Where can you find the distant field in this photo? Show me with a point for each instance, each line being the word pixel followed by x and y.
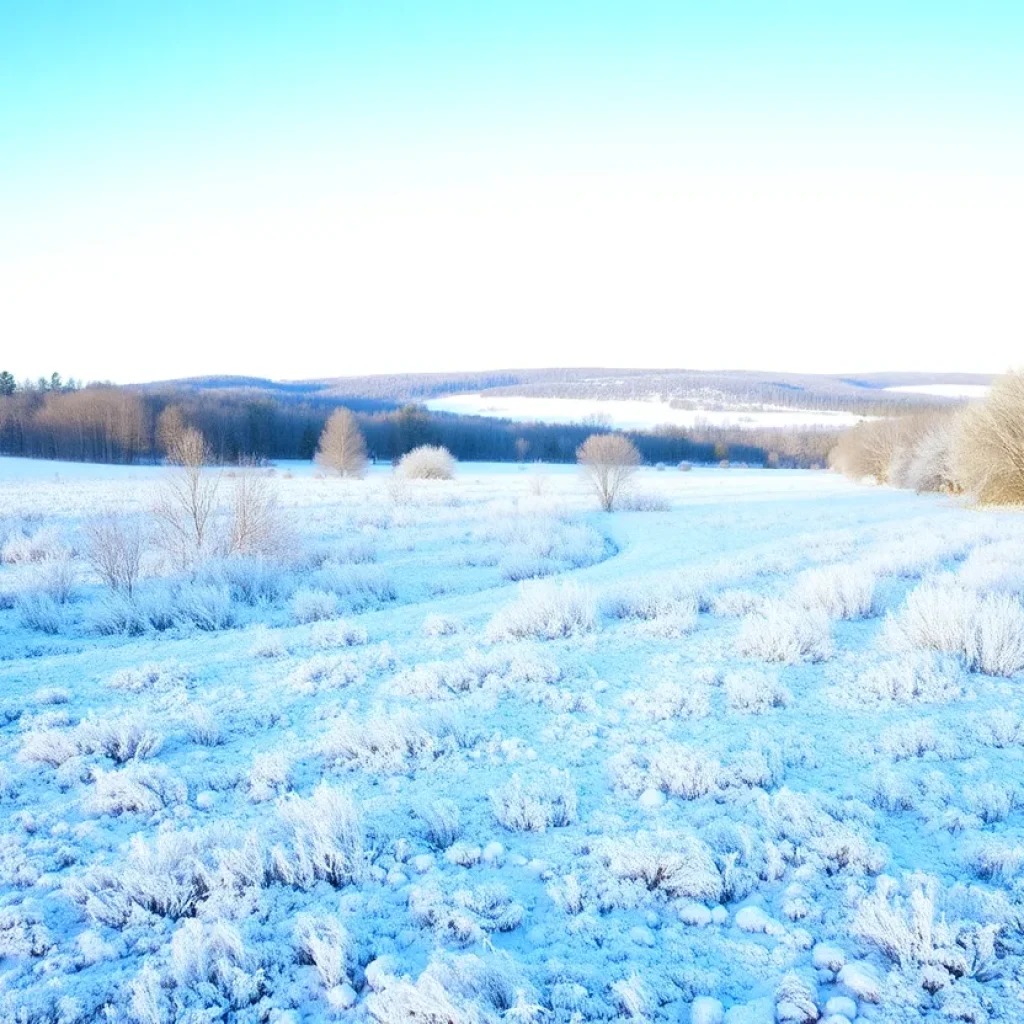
pixel 630 414
pixel 944 390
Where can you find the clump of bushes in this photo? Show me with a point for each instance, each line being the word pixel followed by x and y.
pixel 976 450
pixel 427 462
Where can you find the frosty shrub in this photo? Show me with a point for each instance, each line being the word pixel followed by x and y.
pixel 608 462
pixel 682 771
pixel 988 451
pixel 914 677
pixel 309 605
pixel 633 501
pixel 323 839
pixel 324 943
pixel 545 611
pixel 783 631
pixel 682 866
pixel 168 876
pixel 986 630
pixel 131 791
pixel 269 776
pixel 428 462
pixel 51 747
pixel 38 611
pixel 114 544
pixel 267 643
pixel 115 615
pixel 342 448
pixel 201 727
pixel 442 822
pixel 927 465
pixel 911 931
pixel 840 591
pixel 383 743
pixel 207 606
pixel 42 545
pixel 57 577
pixel 753 692
pixel 534 806
pixel 339 633
pixel 122 739
pixel 440 625
pixel 670 604
pixel 207 954
pixel 427 1001
pixel 323 672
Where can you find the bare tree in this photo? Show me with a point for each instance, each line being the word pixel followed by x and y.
pixel 186 507
pixel 609 460
pixel 256 526
pixel 522 449
pixel 114 545
pixel 342 446
pixel 988 452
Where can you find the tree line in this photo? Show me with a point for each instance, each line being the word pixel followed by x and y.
pixel 106 423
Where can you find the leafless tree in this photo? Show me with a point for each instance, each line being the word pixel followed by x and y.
pixel 342 446
pixel 988 452
pixel 187 505
pixel 609 461
pixel 114 544
pixel 256 525
pixel 522 449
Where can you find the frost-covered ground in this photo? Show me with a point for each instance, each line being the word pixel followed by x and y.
pixel 475 752
pixel 633 414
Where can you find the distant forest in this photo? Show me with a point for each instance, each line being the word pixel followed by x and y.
pixel 105 423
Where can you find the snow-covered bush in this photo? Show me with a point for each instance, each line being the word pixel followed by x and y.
pixel 323 672
pixel 269 776
pixel 840 591
pixel 39 611
pixel 122 739
pixel 533 806
pixel 680 866
pixel 337 633
pixel 442 822
pixel 40 546
pixel 754 692
pixel 428 462
pixel 311 605
pixel 440 625
pixel 986 630
pixel 323 839
pixel 324 943
pixel 913 678
pixel 783 631
pixel 911 931
pixel 205 606
pixel 385 742
pixel 201 726
pixel 212 953
pixel 545 612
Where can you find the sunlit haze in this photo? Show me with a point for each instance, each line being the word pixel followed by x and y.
pixel 299 190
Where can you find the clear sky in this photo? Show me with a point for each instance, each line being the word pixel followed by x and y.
pixel 301 189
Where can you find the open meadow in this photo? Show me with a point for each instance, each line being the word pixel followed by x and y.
pixel 749 749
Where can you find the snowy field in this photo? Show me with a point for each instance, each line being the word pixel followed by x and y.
pixel 472 751
pixel 944 390
pixel 637 414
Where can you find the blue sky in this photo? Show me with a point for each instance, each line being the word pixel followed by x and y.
pixel 303 189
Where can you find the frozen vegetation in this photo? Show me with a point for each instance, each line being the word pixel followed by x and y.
pixel 750 750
